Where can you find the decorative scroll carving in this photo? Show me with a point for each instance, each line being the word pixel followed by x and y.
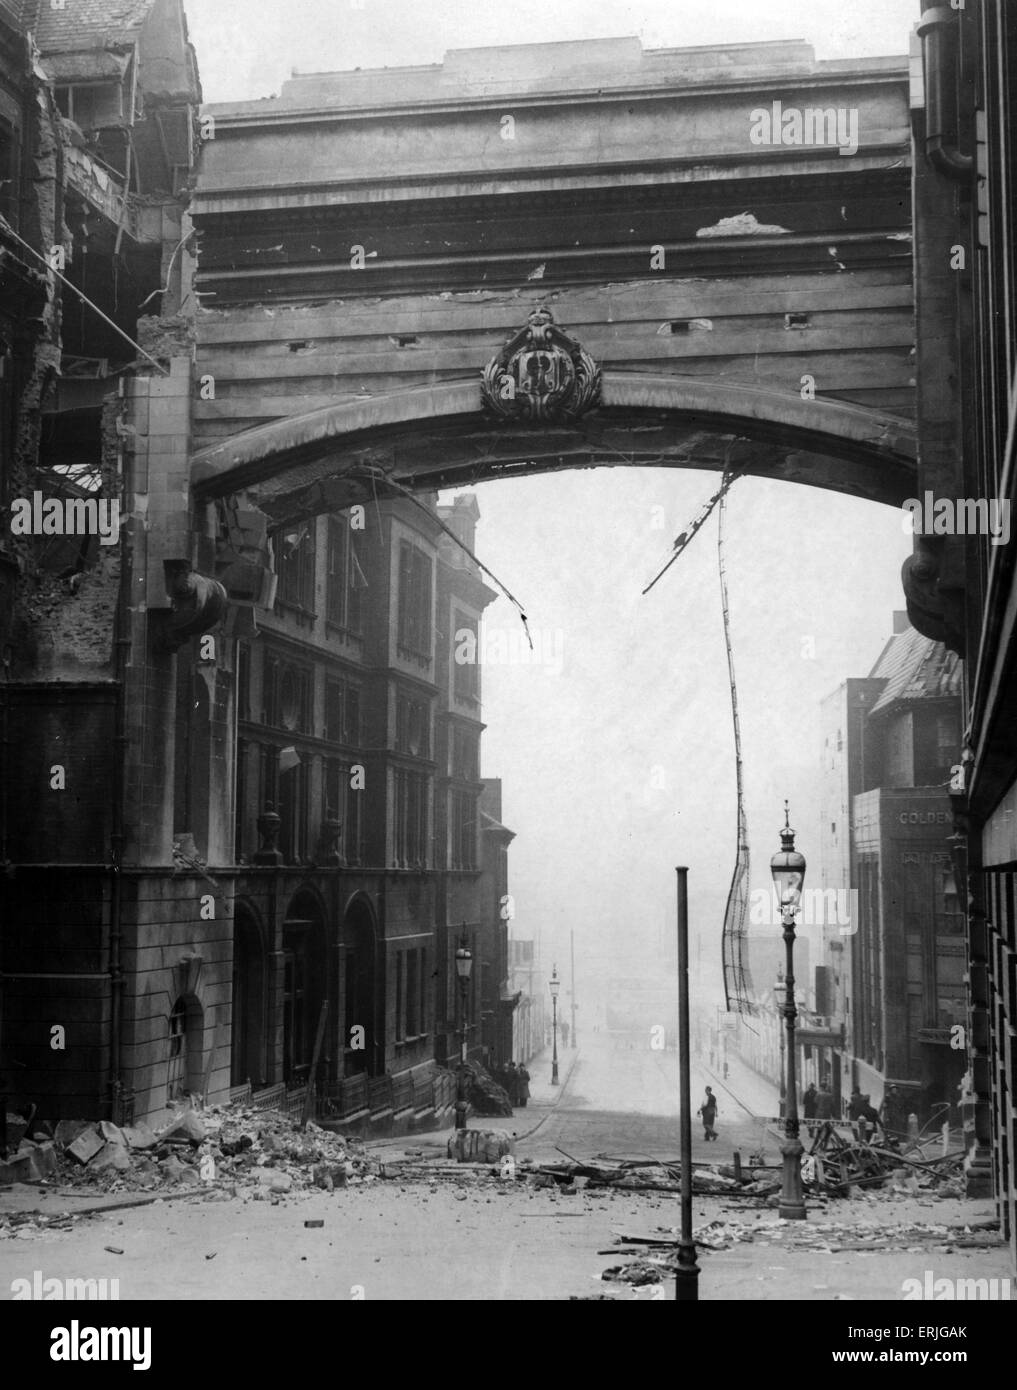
pixel 541 374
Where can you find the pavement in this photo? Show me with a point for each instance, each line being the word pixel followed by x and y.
pixel 433 1231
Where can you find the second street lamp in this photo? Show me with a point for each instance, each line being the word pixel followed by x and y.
pixel 554 985
pixel 464 968
pixel 788 870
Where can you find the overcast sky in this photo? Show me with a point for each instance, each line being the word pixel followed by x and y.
pixel 619 766
pixel 247 48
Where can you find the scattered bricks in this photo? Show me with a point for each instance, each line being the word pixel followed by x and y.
pixel 189 1176
pixel 87 1145
pixel 112 1133
pixel 187 1126
pixel 171 1168
pixel 111 1156
pixel 313 1225
pixel 32 1163
pixel 281 1182
pixel 139 1137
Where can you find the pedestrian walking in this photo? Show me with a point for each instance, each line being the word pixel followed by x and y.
pixel 855 1107
pixel 809 1100
pixel 708 1110
pixel 890 1115
pixel 523 1077
pixel 512 1084
pixel 563 1028
pixel 868 1119
pixel 824 1105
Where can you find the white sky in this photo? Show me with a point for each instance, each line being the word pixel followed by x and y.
pixel 643 695
pixel 247 48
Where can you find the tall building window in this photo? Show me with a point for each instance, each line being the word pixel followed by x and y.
pixel 464 754
pixel 346 581
pixel 413 726
pixel 412 994
pixel 176 1075
pixel 342 712
pixel 465 674
pixel 414 627
pixel 344 802
pixel 400 994
pixel 295 1023
pixel 463 829
pixel 287 692
pixel 9 181
pixel 269 777
pixel 292 810
pixel 410 819
pixel 243 691
pixel 947 741
pixel 240 802
pixel 294 562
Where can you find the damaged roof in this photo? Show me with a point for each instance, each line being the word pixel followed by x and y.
pixel 915 668
pixel 85 67
pixel 89 24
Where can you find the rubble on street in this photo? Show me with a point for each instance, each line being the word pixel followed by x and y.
pixel 228 1149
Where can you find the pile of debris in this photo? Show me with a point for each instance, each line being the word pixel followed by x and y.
pixel 836 1165
pixel 485 1095
pixel 227 1147
pixel 662 1175
pixel 653 1256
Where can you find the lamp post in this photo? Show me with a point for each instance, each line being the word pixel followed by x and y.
pixel 788 870
pixel 778 992
pixel 554 985
pixel 464 968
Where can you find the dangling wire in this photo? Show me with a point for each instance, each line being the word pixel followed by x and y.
pixel 737 980
pixel 390 482
pixel 686 536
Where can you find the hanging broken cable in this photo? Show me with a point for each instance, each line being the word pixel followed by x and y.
pixel 686 536
pixel 737 980
pixel 375 476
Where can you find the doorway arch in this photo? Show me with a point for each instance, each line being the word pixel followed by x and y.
pixel 304 975
pixel 363 988
pixel 248 1039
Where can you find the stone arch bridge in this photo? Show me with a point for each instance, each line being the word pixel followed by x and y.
pixel 369 240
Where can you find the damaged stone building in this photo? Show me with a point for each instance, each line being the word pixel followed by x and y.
pixel 241 765
pixel 98 133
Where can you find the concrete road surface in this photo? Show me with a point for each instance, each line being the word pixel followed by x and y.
pixel 624 1102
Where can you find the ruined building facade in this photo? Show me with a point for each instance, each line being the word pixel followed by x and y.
pixel 240 815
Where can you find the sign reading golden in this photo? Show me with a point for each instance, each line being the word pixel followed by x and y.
pixel 541 374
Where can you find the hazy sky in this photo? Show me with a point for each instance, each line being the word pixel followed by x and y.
pixel 619 766
pixel 247 48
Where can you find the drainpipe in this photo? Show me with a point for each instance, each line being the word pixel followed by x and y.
pixel 939 32
pixel 122 644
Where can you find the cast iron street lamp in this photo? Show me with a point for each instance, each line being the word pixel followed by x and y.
pixel 464 966
pixel 788 870
pixel 778 993
pixel 554 985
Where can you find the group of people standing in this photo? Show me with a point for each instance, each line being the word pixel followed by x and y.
pixel 864 1117
pixel 514 1081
